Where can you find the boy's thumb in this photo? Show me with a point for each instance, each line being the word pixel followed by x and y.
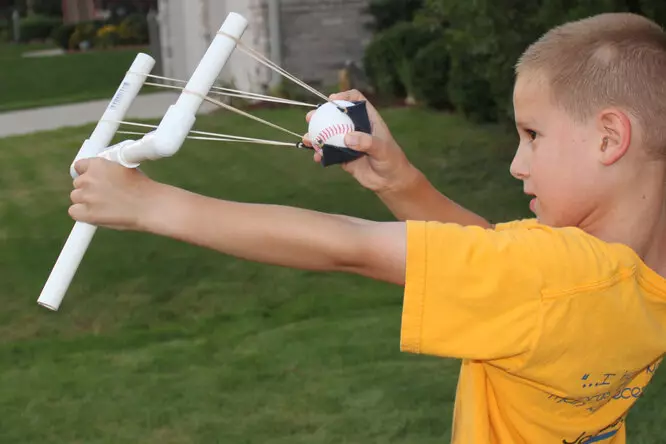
pixel 363 142
pixel 81 165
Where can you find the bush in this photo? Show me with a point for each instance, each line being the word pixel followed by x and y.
pixel 61 35
pixel 38 27
pixel 469 90
pixel 5 31
pixel 483 40
pixel 387 13
pixel 487 37
pixel 99 33
pixel 84 32
pixel 107 36
pixel 430 74
pixel 134 29
pixel 388 57
pixel 378 68
pixel 52 8
pixel 69 36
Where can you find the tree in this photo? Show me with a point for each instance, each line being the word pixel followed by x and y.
pixel 486 37
pixel 387 13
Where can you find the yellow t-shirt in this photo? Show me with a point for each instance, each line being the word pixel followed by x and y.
pixel 558 332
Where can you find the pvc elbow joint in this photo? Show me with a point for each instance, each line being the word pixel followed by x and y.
pixel 172 132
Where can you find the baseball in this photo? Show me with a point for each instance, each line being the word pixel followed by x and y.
pixel 329 125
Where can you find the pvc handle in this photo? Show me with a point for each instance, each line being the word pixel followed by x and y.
pixel 164 142
pixel 66 265
pixel 81 235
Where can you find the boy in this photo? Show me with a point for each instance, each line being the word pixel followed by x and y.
pixel 560 321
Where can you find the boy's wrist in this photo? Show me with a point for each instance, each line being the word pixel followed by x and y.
pixel 408 181
pixel 157 208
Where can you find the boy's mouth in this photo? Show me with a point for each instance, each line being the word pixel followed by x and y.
pixel 533 202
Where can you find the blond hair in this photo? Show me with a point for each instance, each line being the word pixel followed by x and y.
pixel 610 59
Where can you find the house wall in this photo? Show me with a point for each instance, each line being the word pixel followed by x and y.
pixel 318 37
pixel 75 11
pixel 187 29
pixel 313 39
pixel 242 71
pixel 180 37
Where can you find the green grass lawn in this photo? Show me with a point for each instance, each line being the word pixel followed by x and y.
pixel 45 81
pixel 161 342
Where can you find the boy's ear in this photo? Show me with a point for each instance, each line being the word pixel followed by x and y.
pixel 615 130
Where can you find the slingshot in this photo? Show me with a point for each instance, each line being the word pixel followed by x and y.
pixel 166 139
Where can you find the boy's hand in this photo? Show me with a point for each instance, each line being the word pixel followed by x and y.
pixel 109 195
pixel 385 168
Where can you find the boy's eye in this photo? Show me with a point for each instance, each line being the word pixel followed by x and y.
pixel 531 133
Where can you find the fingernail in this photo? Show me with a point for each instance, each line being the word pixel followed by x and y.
pixel 351 139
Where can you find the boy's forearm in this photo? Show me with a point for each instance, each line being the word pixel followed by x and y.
pixel 271 234
pixel 418 199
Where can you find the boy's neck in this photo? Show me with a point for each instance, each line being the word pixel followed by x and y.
pixel 642 227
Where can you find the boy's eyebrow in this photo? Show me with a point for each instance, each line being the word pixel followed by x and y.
pixel 524 124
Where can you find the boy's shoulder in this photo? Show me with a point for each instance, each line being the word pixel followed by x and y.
pixel 571 259
pixel 534 224
pixel 562 242
pixel 557 260
pixel 518 224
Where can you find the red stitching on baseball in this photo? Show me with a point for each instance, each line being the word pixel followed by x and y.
pixel 334 130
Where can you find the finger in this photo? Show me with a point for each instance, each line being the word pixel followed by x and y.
pixel 77 196
pixel 317 157
pixel 306 140
pixel 78 212
pixel 82 165
pixel 363 142
pixel 350 96
pixel 309 115
pixel 81 181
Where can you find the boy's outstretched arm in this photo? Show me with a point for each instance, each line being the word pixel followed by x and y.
pixel 280 235
pixel 107 194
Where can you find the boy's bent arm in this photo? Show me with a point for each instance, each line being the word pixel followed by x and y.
pixel 398 183
pixel 417 199
pixel 280 235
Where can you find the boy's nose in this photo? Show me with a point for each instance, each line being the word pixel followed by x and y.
pixel 519 166
pixel 517 172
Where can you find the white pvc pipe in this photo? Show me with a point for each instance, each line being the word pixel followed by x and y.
pixel 79 238
pixel 165 141
pixel 118 106
pixel 176 124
